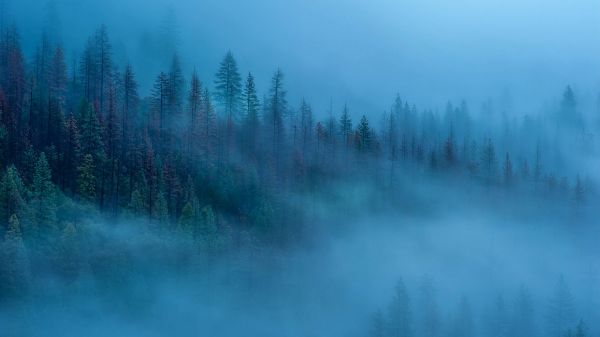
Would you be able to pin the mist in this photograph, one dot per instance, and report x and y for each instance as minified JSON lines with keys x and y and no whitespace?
{"x":355,"y":52}
{"x":299,"y":168}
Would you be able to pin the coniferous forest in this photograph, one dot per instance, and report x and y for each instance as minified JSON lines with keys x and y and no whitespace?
{"x":195,"y":206}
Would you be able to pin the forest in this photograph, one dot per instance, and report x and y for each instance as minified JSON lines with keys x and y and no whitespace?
{"x":208,"y":189}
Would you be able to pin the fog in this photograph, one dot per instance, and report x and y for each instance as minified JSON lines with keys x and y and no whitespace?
{"x":333,"y":286}
{"x":425,"y":168}
{"x":359,"y":52}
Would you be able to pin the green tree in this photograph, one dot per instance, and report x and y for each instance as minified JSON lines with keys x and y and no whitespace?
{"x":207,"y":236}
{"x":44,"y":202}
{"x":188,"y":219}
{"x":69,"y":253}
{"x":12,"y":193}
{"x":14,"y":262}
{"x":365,"y":134}
{"x":228,"y":86}
{"x":86,"y":180}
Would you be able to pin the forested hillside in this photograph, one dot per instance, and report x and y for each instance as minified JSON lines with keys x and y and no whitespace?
{"x":205,"y":168}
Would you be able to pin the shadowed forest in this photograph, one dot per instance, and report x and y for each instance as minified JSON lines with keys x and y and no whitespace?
{"x":205,"y":206}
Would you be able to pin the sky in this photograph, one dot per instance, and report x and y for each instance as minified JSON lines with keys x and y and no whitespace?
{"x":358,"y":52}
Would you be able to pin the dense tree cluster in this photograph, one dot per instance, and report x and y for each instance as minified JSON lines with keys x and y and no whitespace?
{"x":420,"y":314}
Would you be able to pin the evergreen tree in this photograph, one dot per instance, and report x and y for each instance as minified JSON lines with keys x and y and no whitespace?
{"x":488,"y":161}
{"x":44,"y":201}
{"x":400,"y":314}
{"x":228,"y":86}
{"x":86,"y":180}
{"x":277,"y":110}
{"x":251,"y":118}
{"x":365,"y":135}
{"x":12,"y":196}
{"x":14,"y":262}
{"x":345,"y":127}
{"x":560,"y":315}
{"x":507,"y":171}
{"x":377,"y":325}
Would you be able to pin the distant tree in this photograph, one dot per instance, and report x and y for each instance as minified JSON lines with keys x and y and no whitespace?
{"x":429,"y":322}
{"x":400,"y":313}
{"x":193,"y":120}
{"x":561,"y":311}
{"x":176,"y":89}
{"x":306,"y":126}
{"x":507,"y":171}
{"x":523,"y":318}
{"x":365,"y":135}
{"x":345,"y":128}
{"x":499,"y":319}
{"x":449,"y":150}
{"x":159,"y":107}
{"x":377,"y":325}
{"x":251,"y":106}
{"x":537,"y":166}
{"x":568,"y":109}
{"x":277,"y":111}
{"x":488,"y":161}
{"x":463,"y":322}
{"x":104,"y":65}
{"x":228,"y":88}
{"x":581,"y":329}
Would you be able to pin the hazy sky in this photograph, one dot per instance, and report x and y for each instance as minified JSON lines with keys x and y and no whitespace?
{"x":362,"y":52}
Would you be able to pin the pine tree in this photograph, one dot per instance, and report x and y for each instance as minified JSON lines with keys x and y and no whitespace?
{"x":449,"y":150}
{"x":463,"y":324}
{"x":377,"y":325}
{"x":176,"y":88}
{"x":488,"y":161}
{"x":228,"y":86}
{"x":12,"y":194}
{"x":188,"y":219}
{"x":72,"y":153}
{"x":14,"y":262}
{"x":429,"y":315}
{"x":507,"y":171}
{"x":91,"y":133}
{"x":69,"y":253}
{"x":251,"y":115}
{"x":345,"y":127}
{"x":86,"y":180}
{"x":523,"y":322}
{"x":400,"y":314}
{"x":277,"y":111}
{"x":44,"y":199}
{"x":560,"y":315}
{"x":193,"y":120}
{"x":365,"y":135}
{"x":207,"y":235}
